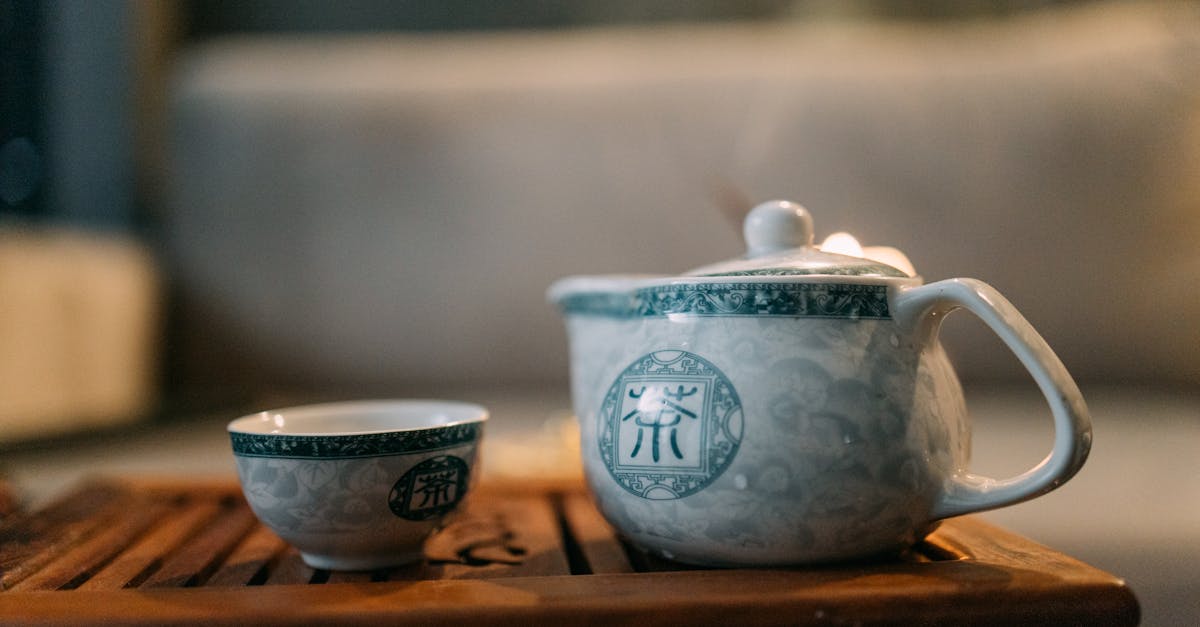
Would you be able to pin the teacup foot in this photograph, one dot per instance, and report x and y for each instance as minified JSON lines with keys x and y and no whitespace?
{"x":363,"y":562}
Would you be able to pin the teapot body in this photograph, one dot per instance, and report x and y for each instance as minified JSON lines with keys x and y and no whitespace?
{"x":752,"y":423}
{"x":792,"y":406}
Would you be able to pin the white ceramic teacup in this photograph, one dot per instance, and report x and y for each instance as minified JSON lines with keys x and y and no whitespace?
{"x":358,"y":485}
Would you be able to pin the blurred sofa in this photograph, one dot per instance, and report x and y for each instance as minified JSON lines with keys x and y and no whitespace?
{"x":384,"y":213}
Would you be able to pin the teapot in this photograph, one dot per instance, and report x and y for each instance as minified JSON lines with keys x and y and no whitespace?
{"x":793,"y":406}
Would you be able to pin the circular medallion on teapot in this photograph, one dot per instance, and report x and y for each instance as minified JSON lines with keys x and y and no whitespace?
{"x":431,"y":488}
{"x":670,"y":425}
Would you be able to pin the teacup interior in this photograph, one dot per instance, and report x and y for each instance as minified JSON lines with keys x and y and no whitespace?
{"x":359,"y":417}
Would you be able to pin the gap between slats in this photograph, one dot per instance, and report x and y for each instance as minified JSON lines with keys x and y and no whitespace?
{"x":78,"y":564}
{"x":144,"y":557}
{"x":30,"y":542}
{"x":105,"y":537}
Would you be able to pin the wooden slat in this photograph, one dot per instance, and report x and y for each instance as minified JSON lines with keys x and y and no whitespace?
{"x":202,"y":555}
{"x":339,"y":576}
{"x":595,"y":537}
{"x":250,"y":558}
{"x":143,"y":557}
{"x":940,"y":547}
{"x":479,"y":532}
{"x":9,"y":503}
{"x":979,"y":541}
{"x":25,"y":533}
{"x":526,"y":542}
{"x":945,"y":593}
{"x":290,"y":570}
{"x":28,"y":543}
{"x":78,"y":563}
{"x":504,"y":562}
{"x":410,"y":572}
{"x":166,"y":486}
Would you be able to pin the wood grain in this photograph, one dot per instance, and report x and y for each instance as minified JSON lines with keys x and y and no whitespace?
{"x":145,"y":556}
{"x":515,"y":536}
{"x":29,"y":542}
{"x":741,"y":597}
{"x":81,"y":561}
{"x":595,"y":537}
{"x":250,"y":559}
{"x":290,"y":570}
{"x":147,"y":553}
{"x":197,"y":559}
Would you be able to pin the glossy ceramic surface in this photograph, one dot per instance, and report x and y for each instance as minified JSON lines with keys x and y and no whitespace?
{"x":360,"y":485}
{"x":783,"y":415}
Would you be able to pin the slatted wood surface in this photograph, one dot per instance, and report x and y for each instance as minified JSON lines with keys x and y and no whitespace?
{"x":174,"y":552}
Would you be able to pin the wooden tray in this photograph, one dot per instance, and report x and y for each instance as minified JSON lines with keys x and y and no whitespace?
{"x":172,"y":552}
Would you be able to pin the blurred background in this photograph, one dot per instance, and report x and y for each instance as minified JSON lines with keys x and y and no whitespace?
{"x":208,"y":207}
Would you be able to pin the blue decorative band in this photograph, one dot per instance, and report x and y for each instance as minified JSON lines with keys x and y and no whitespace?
{"x":352,"y":446}
{"x":873,"y":269}
{"x":618,"y":305}
{"x":817,"y":300}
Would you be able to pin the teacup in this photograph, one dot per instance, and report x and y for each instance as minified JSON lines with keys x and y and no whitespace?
{"x":358,"y":485}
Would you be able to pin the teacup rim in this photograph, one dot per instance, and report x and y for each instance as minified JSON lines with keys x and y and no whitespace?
{"x":244,"y":424}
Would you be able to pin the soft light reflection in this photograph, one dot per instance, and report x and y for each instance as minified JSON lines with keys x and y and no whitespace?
{"x":842,"y":243}
{"x":649,"y":403}
{"x":891,"y":256}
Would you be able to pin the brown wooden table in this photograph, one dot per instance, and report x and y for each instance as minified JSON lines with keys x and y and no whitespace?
{"x":158,"y":552}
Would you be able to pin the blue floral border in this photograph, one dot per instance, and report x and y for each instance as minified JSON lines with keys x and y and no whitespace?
{"x":352,"y":446}
{"x":819,"y":300}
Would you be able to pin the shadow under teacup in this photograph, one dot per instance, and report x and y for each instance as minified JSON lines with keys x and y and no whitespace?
{"x":358,"y":485}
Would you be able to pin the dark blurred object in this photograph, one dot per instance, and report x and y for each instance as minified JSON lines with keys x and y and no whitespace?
{"x":211,"y":17}
{"x":8,"y":499}
{"x":67,"y":90}
{"x":216,"y":17}
{"x":21,"y":101}
{"x":78,"y":288}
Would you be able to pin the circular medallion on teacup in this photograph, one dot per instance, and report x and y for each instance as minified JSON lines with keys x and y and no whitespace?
{"x":432,"y":488}
{"x":670,"y":425}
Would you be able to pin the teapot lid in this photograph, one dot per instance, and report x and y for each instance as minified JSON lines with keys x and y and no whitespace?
{"x":779,"y":242}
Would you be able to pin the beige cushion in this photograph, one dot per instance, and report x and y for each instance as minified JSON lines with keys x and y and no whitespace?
{"x":79,"y":332}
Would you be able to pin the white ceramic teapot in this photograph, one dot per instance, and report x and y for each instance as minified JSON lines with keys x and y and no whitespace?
{"x":793,"y":406}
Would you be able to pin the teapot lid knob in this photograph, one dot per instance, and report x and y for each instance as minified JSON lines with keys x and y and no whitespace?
{"x":775,"y":226}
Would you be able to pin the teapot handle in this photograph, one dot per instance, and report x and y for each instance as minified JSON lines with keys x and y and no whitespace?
{"x":922,"y":309}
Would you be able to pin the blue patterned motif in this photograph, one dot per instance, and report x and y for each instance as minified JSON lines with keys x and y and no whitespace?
{"x":431,"y":489}
{"x":670,"y":424}
{"x":352,"y":446}
{"x":815,"y":300}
